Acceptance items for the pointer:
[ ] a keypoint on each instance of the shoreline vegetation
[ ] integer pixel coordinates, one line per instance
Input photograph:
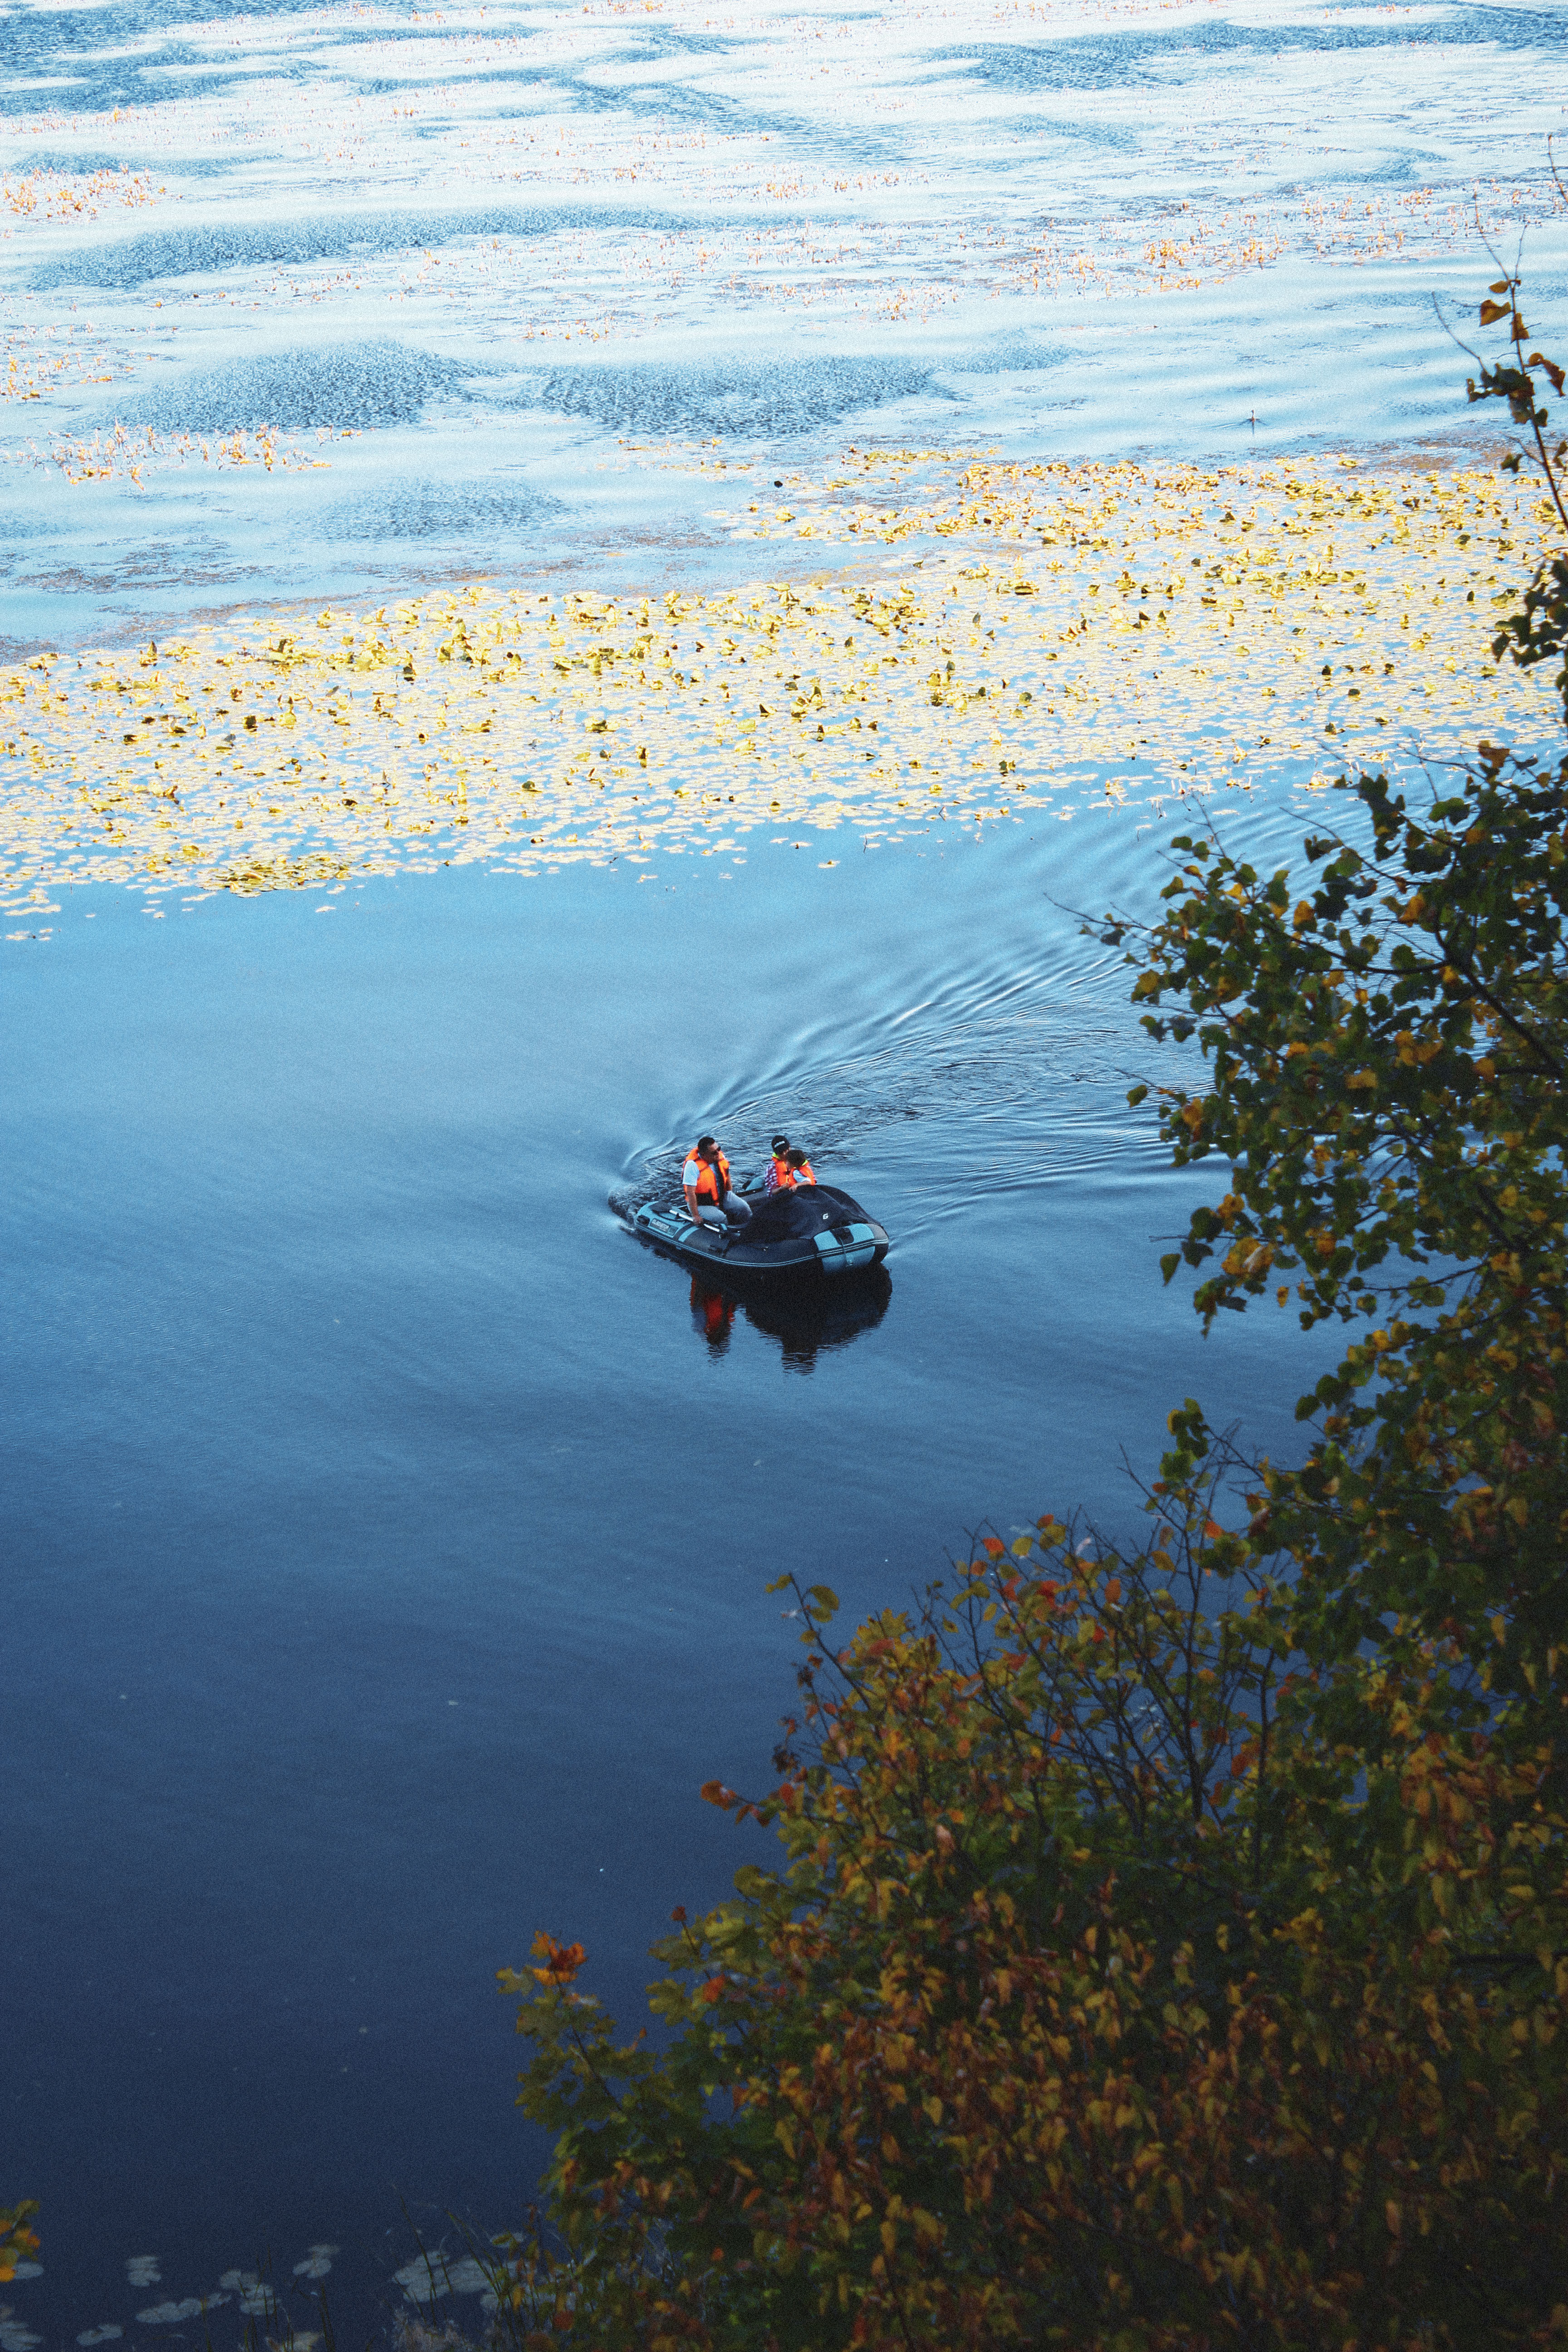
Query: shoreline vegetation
(1169, 1947)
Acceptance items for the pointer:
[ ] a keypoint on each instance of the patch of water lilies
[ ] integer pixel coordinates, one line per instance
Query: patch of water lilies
(1106, 633)
(430, 2276)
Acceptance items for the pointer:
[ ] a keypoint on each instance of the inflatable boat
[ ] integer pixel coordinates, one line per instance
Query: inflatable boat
(814, 1230)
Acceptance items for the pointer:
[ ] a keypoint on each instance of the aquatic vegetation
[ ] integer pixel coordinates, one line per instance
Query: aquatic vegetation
(121, 453)
(433, 2274)
(253, 2294)
(43, 358)
(1073, 636)
(73, 196)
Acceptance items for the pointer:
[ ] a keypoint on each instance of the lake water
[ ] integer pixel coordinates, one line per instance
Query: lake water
(385, 1529)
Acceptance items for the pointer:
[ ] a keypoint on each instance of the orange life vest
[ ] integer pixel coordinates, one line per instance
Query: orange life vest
(713, 1177)
(787, 1178)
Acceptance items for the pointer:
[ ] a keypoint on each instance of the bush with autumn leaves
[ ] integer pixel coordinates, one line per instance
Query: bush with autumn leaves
(1167, 1947)
(18, 2238)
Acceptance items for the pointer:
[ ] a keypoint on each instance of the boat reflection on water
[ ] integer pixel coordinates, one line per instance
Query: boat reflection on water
(806, 1318)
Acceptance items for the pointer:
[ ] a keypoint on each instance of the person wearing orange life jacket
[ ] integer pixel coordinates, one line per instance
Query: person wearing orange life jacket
(787, 1169)
(706, 1181)
(777, 1179)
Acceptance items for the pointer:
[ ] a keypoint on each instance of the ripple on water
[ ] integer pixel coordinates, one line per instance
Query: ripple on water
(339, 387)
(760, 398)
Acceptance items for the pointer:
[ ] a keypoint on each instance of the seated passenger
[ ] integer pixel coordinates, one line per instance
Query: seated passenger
(777, 1179)
(801, 1171)
(706, 1181)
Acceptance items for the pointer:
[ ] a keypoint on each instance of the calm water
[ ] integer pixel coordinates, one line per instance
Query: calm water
(386, 1531)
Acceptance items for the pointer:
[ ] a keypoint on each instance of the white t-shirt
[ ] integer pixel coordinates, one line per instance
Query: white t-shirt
(692, 1172)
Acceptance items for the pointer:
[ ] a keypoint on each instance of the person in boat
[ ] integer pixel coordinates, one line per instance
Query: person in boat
(777, 1177)
(787, 1167)
(706, 1181)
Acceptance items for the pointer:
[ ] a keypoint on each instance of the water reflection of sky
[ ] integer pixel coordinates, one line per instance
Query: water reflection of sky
(500, 247)
(387, 1529)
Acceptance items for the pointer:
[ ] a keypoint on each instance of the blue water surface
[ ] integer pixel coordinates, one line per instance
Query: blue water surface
(387, 1529)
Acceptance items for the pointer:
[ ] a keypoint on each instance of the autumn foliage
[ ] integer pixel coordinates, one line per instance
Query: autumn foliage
(18, 2238)
(1093, 2004)
(1168, 1946)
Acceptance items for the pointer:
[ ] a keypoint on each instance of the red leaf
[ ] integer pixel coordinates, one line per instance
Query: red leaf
(561, 1961)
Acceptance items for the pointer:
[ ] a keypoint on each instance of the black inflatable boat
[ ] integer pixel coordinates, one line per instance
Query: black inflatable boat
(814, 1229)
